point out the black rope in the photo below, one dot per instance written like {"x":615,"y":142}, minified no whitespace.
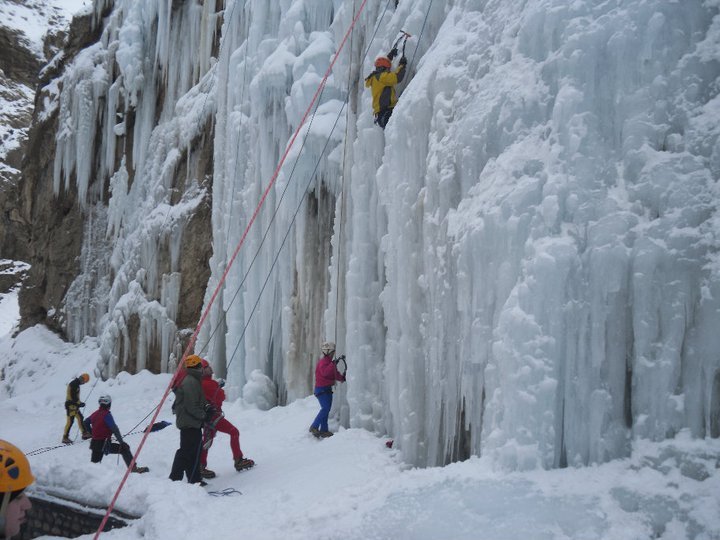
{"x":427,"y":14}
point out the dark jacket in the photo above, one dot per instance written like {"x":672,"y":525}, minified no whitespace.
{"x":190,"y":401}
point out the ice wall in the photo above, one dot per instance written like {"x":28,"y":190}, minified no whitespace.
{"x":550,"y":243}
{"x":522,"y":264}
{"x":131,"y":109}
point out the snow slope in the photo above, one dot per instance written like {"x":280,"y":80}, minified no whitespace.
{"x":350,"y":486}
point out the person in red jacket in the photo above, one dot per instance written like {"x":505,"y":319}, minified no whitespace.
{"x":215,"y":395}
{"x":102,"y":426}
{"x":326,"y":374}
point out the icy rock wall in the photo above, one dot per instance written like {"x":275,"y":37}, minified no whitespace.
{"x":133,"y":112}
{"x":522,"y":264}
{"x":550,"y":246}
{"x":270,"y":310}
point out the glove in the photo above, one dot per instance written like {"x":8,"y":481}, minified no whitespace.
{"x":81,"y":404}
{"x":403,"y":61}
{"x":221,"y":382}
{"x":392,"y":54}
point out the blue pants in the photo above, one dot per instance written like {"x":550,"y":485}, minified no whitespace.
{"x":324,"y":396}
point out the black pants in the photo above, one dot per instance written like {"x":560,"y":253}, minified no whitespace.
{"x":187,"y":457}
{"x":382,"y":117}
{"x":100,"y":447}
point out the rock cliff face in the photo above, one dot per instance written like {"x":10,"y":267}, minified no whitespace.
{"x":52,"y":223}
{"x":71,"y":223}
{"x":32,"y":33}
{"x":19,"y":69}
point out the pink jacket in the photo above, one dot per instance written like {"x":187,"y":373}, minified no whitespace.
{"x":326,"y":373}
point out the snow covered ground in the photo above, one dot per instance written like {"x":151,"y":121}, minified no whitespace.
{"x":350,"y":486}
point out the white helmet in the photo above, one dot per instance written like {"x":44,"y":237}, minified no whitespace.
{"x":105,"y":400}
{"x":328,"y":347}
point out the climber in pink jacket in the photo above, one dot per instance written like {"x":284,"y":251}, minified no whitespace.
{"x":326,"y":374}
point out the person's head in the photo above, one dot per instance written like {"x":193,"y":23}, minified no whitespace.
{"x":193,"y":362}
{"x":383,"y":62}
{"x":104,"y":401}
{"x":207,"y":369}
{"x":84,"y":378}
{"x":328,"y":348}
{"x":15,"y":476}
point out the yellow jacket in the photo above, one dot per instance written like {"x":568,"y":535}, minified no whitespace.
{"x":382,"y":85}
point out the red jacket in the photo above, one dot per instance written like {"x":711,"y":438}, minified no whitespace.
{"x":213,"y":393}
{"x":101,"y":423}
{"x":326,"y":373}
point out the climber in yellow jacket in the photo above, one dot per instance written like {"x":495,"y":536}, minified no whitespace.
{"x":73,"y":406}
{"x":381,"y":83}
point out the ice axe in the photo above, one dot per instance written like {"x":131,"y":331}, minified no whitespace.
{"x":403,"y":36}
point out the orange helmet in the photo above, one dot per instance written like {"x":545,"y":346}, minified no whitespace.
{"x":193,"y":361}
{"x":383,"y":61}
{"x":84,"y":378}
{"x":15,"y":473}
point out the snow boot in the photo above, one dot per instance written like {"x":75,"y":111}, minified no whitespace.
{"x":243,"y":463}
{"x":326,"y":434}
{"x":86,"y":436}
{"x":315,"y":431}
{"x":202,"y":483}
{"x":206,"y":473}
{"x":66,"y":440}
{"x":140,"y":470}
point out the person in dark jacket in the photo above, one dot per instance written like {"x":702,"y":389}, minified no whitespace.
{"x":72,"y":408}
{"x":102,"y":426}
{"x":215,"y":395}
{"x":326,"y":374}
{"x":190,"y":410}
{"x":382,"y":83}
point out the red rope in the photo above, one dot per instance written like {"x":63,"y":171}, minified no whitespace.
{"x":227,"y":269}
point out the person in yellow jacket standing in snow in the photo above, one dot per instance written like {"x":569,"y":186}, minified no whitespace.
{"x":72,"y":408}
{"x":382,"y":83}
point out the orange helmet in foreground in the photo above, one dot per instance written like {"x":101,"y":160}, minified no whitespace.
{"x":15,"y":473}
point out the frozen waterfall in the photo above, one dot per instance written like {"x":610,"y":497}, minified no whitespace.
{"x":524,"y":263}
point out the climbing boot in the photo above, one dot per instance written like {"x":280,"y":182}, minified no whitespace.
{"x":66,"y":440}
{"x":326,"y":434}
{"x":139,"y":470}
{"x":243,"y":463}
{"x":206,"y":473}
{"x":315,"y":431}
{"x":86,"y":436}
